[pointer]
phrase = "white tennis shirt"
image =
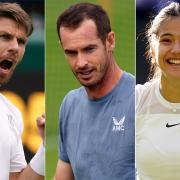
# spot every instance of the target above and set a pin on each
(11, 150)
(157, 134)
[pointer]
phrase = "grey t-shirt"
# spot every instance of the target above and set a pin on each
(97, 136)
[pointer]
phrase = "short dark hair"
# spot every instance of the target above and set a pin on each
(168, 12)
(15, 12)
(76, 14)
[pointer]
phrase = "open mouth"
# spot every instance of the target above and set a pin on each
(86, 72)
(174, 61)
(6, 64)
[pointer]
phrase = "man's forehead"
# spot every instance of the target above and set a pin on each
(87, 24)
(7, 21)
(10, 25)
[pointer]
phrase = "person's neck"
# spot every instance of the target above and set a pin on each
(111, 79)
(170, 89)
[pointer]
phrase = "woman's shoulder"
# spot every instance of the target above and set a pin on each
(146, 87)
(145, 92)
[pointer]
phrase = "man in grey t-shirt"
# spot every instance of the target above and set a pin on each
(96, 120)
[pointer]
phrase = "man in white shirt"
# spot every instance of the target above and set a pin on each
(15, 28)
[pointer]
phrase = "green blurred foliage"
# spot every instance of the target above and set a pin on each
(59, 78)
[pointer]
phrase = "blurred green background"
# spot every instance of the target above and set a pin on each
(59, 79)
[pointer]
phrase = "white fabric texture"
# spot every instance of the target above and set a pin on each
(38, 161)
(11, 150)
(157, 134)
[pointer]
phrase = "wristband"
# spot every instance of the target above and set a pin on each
(37, 162)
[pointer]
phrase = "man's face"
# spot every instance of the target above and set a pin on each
(12, 46)
(87, 55)
(166, 50)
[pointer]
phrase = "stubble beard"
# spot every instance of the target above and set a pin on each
(97, 82)
(6, 80)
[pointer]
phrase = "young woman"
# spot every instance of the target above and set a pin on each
(158, 101)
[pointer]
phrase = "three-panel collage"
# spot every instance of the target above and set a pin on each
(89, 90)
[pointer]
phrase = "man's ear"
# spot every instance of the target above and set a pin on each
(110, 41)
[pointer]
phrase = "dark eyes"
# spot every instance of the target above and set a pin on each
(21, 41)
(5, 36)
(8, 37)
(166, 40)
(89, 49)
(70, 53)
